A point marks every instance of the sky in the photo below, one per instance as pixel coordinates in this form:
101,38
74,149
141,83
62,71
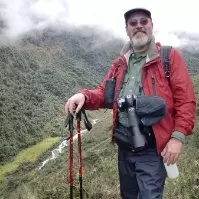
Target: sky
171,18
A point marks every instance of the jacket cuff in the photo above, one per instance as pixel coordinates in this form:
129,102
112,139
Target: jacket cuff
84,92
179,136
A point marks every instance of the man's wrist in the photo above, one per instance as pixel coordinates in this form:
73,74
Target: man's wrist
179,136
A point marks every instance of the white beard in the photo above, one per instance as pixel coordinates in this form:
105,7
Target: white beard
140,42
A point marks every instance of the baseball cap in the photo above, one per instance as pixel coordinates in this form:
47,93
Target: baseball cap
135,10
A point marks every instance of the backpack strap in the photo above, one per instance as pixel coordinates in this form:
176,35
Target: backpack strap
164,52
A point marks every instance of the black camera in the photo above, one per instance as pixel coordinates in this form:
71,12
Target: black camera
136,138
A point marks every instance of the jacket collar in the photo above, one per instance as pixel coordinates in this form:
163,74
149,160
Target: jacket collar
152,51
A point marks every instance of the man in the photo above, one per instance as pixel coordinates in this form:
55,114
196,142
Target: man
139,71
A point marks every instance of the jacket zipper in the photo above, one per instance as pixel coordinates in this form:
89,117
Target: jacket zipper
153,84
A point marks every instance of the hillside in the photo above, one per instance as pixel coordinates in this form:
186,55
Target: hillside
100,175
38,74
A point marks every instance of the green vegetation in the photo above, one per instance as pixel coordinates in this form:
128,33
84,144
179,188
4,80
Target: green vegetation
37,75
100,175
29,155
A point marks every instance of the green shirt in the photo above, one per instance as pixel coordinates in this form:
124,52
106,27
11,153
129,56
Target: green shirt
132,81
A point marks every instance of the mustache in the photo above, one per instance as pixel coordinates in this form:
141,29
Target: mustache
137,31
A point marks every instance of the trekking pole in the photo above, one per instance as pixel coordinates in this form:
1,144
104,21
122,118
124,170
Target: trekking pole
71,128
78,118
69,123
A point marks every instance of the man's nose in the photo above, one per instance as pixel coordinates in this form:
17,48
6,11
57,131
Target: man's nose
139,25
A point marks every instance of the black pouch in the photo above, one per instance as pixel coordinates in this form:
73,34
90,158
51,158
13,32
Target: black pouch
122,137
109,93
150,109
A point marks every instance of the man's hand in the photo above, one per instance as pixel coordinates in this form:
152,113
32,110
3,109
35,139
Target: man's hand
75,103
172,151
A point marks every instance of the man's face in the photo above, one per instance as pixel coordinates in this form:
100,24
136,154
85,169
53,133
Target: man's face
139,28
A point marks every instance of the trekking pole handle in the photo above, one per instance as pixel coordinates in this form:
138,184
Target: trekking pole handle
87,123
78,115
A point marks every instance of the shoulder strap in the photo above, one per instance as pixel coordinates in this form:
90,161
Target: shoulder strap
164,52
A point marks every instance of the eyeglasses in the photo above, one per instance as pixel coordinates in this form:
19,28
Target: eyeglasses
142,21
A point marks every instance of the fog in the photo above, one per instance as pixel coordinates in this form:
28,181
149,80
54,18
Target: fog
171,25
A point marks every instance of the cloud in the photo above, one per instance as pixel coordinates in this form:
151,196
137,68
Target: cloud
21,16
188,41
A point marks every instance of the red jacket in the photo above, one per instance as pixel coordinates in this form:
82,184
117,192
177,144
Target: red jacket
179,95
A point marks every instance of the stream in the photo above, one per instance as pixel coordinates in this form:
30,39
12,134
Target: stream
55,152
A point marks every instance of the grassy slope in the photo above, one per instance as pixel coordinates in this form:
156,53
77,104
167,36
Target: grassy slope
100,177
29,155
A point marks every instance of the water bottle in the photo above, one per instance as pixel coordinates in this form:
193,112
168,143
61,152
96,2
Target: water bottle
172,170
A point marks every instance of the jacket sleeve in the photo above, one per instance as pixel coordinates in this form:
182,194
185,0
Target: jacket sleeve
95,97
183,94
